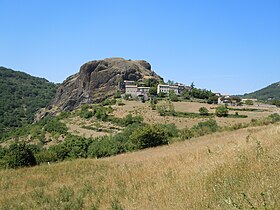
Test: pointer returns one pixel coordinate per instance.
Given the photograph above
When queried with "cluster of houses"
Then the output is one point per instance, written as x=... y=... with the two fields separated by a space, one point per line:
x=136 y=90
x=141 y=91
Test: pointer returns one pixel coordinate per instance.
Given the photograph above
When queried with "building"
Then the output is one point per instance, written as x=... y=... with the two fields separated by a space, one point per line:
x=167 y=88
x=131 y=90
x=136 y=91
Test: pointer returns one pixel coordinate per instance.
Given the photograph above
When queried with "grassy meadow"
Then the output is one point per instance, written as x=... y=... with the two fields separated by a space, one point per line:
x=79 y=126
x=225 y=170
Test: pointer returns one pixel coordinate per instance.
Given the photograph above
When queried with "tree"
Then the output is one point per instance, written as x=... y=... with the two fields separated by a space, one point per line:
x=148 y=136
x=18 y=155
x=173 y=96
x=203 y=111
x=249 y=102
x=221 y=111
x=186 y=94
x=153 y=91
x=170 y=82
x=192 y=85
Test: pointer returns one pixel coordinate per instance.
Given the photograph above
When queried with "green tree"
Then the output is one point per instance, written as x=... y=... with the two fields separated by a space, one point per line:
x=153 y=91
x=173 y=96
x=249 y=102
x=19 y=155
x=148 y=136
x=203 y=111
x=221 y=111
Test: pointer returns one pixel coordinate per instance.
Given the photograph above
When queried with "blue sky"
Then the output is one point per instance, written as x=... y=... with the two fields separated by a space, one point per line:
x=228 y=46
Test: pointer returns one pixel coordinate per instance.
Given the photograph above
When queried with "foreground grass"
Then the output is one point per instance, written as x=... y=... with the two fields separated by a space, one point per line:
x=229 y=170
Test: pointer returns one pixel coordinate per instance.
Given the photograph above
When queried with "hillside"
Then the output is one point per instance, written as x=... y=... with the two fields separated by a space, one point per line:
x=229 y=170
x=271 y=91
x=21 y=95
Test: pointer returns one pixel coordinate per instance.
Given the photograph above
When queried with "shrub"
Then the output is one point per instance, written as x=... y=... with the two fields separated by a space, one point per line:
x=77 y=146
x=129 y=119
x=206 y=127
x=60 y=150
x=148 y=136
x=18 y=155
x=118 y=94
x=109 y=102
x=170 y=129
x=186 y=133
x=221 y=111
x=101 y=113
x=54 y=125
x=249 y=102
x=127 y=96
x=274 y=117
x=46 y=156
x=104 y=147
x=166 y=108
x=173 y=96
x=203 y=111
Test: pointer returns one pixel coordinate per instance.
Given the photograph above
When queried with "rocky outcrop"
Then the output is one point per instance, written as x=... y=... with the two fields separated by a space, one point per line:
x=98 y=80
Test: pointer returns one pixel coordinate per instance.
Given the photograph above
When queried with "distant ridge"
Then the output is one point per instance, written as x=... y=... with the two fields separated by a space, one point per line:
x=270 y=92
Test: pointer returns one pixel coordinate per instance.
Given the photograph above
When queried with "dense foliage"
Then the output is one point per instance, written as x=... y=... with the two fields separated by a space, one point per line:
x=271 y=91
x=21 y=95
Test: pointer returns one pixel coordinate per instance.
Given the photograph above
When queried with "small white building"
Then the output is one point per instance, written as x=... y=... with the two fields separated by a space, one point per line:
x=166 y=88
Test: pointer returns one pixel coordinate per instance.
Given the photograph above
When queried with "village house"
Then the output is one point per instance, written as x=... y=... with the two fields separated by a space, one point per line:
x=131 y=90
x=167 y=88
x=136 y=91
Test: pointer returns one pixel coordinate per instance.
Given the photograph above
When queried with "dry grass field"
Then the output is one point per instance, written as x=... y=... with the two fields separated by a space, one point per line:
x=228 y=170
x=151 y=116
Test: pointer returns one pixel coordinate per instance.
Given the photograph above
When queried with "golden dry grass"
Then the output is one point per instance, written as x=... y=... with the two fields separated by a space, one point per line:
x=229 y=170
x=151 y=116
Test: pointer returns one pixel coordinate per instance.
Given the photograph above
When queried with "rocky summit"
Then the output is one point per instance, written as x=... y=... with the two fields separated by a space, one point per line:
x=98 y=80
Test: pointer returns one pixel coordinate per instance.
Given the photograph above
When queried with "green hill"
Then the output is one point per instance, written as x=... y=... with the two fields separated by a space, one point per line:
x=272 y=91
x=21 y=95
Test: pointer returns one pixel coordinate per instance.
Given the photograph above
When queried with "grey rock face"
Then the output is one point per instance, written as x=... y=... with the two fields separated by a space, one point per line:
x=98 y=80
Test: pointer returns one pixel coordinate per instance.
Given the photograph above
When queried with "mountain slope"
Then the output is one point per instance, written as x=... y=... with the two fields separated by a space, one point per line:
x=21 y=95
x=271 y=91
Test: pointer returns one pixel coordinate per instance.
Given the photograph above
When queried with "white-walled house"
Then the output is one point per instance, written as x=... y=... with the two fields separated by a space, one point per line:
x=136 y=91
x=166 y=88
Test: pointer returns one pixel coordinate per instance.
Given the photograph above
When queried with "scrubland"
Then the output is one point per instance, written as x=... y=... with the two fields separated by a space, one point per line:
x=225 y=170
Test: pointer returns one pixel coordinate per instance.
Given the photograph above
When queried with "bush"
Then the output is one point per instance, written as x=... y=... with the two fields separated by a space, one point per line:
x=77 y=146
x=170 y=129
x=203 y=111
x=19 y=155
x=54 y=125
x=46 y=156
x=274 y=117
x=173 y=96
x=109 y=102
x=221 y=111
x=186 y=133
x=249 y=102
x=148 y=136
x=204 y=128
x=104 y=147
x=60 y=150
x=118 y=94
x=129 y=119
